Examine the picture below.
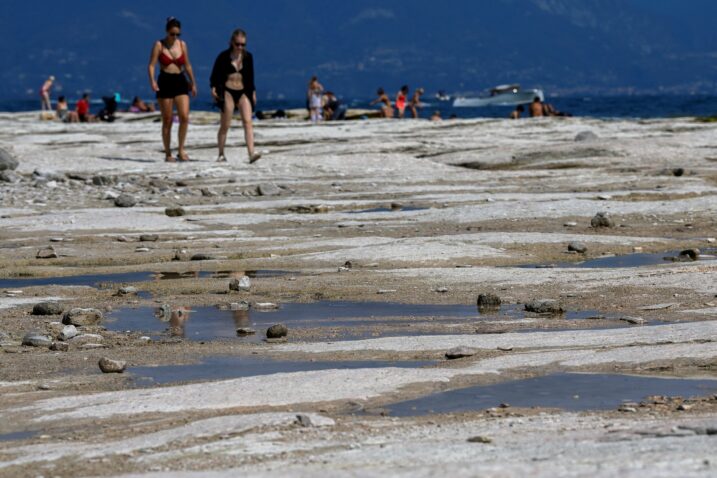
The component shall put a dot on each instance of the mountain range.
(354, 46)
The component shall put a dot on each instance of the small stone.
(47, 308)
(9, 177)
(110, 195)
(577, 247)
(7, 160)
(637, 249)
(441, 290)
(303, 420)
(544, 306)
(268, 189)
(92, 346)
(60, 346)
(689, 255)
(683, 407)
(480, 439)
(180, 255)
(175, 211)
(602, 219)
(100, 180)
(585, 136)
(142, 249)
(127, 290)
(386, 291)
(505, 348)
(633, 320)
(206, 192)
(149, 238)
(277, 331)
(488, 301)
(244, 331)
(460, 352)
(68, 332)
(242, 284)
(122, 239)
(108, 365)
(678, 172)
(164, 312)
(125, 200)
(243, 305)
(36, 339)
(47, 253)
(627, 409)
(202, 257)
(265, 305)
(82, 317)
(570, 224)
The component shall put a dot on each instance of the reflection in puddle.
(627, 260)
(209, 323)
(220, 368)
(568, 391)
(97, 280)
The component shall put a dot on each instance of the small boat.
(442, 96)
(503, 95)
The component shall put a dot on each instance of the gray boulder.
(460, 352)
(544, 306)
(108, 365)
(175, 211)
(577, 247)
(7, 160)
(82, 317)
(242, 284)
(125, 200)
(585, 136)
(36, 339)
(68, 332)
(488, 301)
(268, 189)
(277, 331)
(47, 308)
(8, 176)
(602, 219)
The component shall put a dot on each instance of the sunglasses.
(175, 34)
(236, 43)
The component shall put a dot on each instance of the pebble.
(60, 346)
(243, 305)
(81, 317)
(678, 172)
(480, 439)
(505, 349)
(13, 293)
(633, 320)
(386, 291)
(602, 219)
(68, 332)
(441, 290)
(92, 346)
(488, 301)
(100, 180)
(57, 239)
(110, 195)
(122, 239)
(577, 247)
(36, 339)
(108, 365)
(127, 290)
(277, 331)
(585, 136)
(149, 238)
(47, 253)
(125, 200)
(689, 255)
(544, 306)
(175, 211)
(47, 308)
(244, 331)
(711, 240)
(265, 305)
(206, 192)
(460, 352)
(202, 257)
(242, 284)
(604, 197)
(570, 224)
(268, 189)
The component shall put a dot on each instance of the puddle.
(220, 368)
(208, 323)
(17, 435)
(567, 391)
(627, 260)
(98, 280)
(388, 209)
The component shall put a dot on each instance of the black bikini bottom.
(236, 95)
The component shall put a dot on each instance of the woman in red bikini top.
(172, 86)
(401, 98)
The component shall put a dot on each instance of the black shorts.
(172, 85)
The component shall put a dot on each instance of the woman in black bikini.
(172, 87)
(232, 83)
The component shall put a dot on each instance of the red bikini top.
(167, 60)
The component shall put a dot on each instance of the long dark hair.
(172, 23)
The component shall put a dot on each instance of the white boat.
(503, 95)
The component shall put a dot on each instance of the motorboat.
(502, 95)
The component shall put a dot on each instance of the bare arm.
(153, 57)
(190, 71)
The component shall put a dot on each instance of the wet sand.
(374, 239)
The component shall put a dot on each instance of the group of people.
(323, 105)
(537, 109)
(231, 83)
(402, 102)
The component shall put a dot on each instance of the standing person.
(386, 108)
(45, 94)
(401, 98)
(315, 98)
(232, 83)
(171, 86)
(415, 102)
(536, 108)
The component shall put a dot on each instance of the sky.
(354, 46)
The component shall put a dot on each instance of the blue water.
(633, 106)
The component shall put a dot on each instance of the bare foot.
(221, 158)
(169, 159)
(182, 156)
(254, 157)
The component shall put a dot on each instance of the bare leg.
(225, 123)
(46, 105)
(245, 111)
(182, 103)
(165, 106)
(414, 112)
